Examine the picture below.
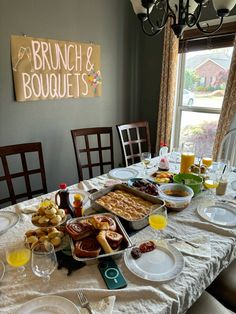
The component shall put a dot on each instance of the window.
(202, 77)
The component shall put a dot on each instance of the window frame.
(201, 42)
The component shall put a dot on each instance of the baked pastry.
(147, 246)
(125, 204)
(80, 229)
(88, 247)
(109, 240)
(103, 222)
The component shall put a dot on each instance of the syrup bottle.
(64, 202)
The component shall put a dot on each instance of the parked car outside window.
(188, 98)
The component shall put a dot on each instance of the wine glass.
(158, 221)
(17, 255)
(146, 159)
(20, 55)
(44, 261)
(212, 182)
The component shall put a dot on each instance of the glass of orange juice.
(158, 221)
(187, 157)
(17, 255)
(207, 161)
(211, 183)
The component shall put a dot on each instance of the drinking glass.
(175, 155)
(17, 255)
(146, 159)
(158, 221)
(211, 183)
(187, 157)
(44, 260)
(207, 161)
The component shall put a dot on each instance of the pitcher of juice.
(187, 157)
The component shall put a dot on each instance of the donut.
(103, 222)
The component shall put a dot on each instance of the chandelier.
(154, 14)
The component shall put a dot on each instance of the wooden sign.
(51, 69)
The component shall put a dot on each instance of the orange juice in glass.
(187, 157)
(207, 161)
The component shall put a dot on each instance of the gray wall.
(110, 23)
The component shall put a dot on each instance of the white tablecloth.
(140, 296)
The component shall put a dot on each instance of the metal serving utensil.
(195, 245)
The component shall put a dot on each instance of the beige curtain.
(167, 88)
(228, 107)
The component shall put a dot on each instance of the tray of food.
(144, 185)
(57, 236)
(48, 214)
(131, 205)
(162, 177)
(96, 236)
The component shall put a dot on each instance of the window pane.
(205, 77)
(199, 128)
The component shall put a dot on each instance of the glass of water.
(43, 261)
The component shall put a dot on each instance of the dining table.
(215, 250)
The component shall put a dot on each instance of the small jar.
(78, 205)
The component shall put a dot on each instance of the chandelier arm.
(212, 32)
(171, 14)
(195, 18)
(164, 18)
(152, 33)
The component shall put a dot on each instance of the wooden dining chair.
(93, 151)
(134, 139)
(22, 172)
(227, 149)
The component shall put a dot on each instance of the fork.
(84, 301)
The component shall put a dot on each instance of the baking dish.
(126, 242)
(131, 224)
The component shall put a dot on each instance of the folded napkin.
(21, 209)
(103, 306)
(86, 185)
(204, 249)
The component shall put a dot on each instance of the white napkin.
(21, 209)
(86, 185)
(103, 306)
(204, 249)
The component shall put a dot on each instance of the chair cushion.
(224, 287)
(207, 304)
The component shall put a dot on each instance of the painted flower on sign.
(95, 79)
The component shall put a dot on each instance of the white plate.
(7, 220)
(2, 270)
(83, 193)
(123, 174)
(219, 214)
(162, 264)
(49, 304)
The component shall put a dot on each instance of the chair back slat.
(228, 147)
(9, 176)
(94, 146)
(134, 139)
